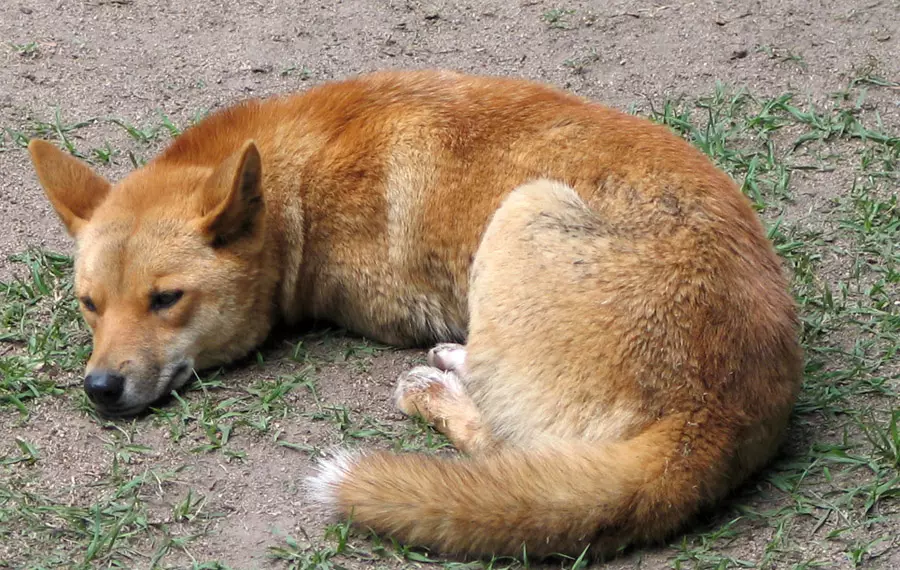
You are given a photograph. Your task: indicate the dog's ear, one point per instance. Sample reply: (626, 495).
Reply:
(72, 187)
(232, 198)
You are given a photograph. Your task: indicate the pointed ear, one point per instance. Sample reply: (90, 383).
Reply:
(232, 198)
(72, 187)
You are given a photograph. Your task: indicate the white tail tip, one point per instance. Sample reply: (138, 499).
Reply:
(322, 487)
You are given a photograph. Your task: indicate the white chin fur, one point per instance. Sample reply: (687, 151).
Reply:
(179, 373)
(331, 471)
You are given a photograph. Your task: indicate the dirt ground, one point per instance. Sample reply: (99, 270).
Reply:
(152, 63)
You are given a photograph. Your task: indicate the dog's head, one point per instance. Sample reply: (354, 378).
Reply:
(171, 270)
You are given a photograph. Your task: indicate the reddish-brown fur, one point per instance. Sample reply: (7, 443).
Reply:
(631, 343)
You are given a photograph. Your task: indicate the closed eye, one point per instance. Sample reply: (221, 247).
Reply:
(162, 300)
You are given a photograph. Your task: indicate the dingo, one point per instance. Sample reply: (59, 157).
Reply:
(632, 352)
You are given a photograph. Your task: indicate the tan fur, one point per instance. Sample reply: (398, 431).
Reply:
(618, 378)
(632, 351)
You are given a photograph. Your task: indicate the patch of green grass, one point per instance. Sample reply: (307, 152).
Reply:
(112, 531)
(581, 64)
(41, 329)
(57, 129)
(704, 550)
(415, 435)
(154, 131)
(334, 346)
(558, 18)
(305, 556)
(341, 542)
(145, 135)
(28, 453)
(65, 132)
(301, 72)
(782, 55)
(733, 133)
(104, 154)
(257, 407)
(884, 437)
(112, 522)
(30, 50)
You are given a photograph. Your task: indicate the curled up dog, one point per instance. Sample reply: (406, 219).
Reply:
(631, 350)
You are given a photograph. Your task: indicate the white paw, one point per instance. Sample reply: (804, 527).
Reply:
(424, 382)
(449, 357)
(331, 471)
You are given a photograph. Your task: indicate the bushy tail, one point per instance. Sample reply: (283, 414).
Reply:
(557, 499)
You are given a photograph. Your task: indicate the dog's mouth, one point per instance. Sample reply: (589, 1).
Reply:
(179, 376)
(121, 411)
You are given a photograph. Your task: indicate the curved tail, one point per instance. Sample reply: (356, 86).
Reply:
(557, 499)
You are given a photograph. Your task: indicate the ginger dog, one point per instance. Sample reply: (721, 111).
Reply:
(632, 352)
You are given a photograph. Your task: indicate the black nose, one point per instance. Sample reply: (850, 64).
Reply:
(104, 387)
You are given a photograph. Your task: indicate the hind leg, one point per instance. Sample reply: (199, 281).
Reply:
(436, 394)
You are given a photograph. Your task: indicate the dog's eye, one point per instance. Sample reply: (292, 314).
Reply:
(88, 304)
(164, 299)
